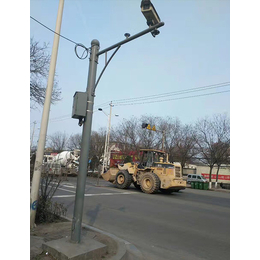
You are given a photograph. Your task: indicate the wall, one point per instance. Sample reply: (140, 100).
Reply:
(223, 174)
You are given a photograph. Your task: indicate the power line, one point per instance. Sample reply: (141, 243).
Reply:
(52, 30)
(76, 44)
(179, 92)
(66, 117)
(141, 103)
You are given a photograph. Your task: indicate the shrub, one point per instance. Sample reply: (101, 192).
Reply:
(47, 210)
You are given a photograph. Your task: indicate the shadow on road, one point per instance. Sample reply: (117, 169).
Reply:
(92, 214)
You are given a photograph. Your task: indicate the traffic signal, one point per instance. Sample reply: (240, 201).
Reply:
(148, 126)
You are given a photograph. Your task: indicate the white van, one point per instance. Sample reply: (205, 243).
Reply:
(196, 177)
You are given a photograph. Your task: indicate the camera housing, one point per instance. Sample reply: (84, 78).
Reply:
(149, 13)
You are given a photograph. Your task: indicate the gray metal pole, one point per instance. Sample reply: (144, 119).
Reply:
(45, 118)
(151, 28)
(85, 145)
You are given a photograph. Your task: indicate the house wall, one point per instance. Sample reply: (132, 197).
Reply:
(223, 175)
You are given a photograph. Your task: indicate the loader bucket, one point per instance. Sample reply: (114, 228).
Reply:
(110, 175)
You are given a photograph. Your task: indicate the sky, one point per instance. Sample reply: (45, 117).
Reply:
(191, 51)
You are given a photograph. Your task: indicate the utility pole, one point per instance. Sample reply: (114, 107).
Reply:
(34, 123)
(45, 118)
(106, 149)
(108, 134)
(85, 145)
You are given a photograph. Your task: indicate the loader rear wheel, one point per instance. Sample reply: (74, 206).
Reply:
(150, 183)
(123, 180)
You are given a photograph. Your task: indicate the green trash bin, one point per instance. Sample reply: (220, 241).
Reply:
(205, 185)
(196, 185)
(192, 185)
(201, 185)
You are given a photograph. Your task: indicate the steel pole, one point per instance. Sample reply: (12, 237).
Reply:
(45, 118)
(85, 145)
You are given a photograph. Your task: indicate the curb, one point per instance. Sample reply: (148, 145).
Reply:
(125, 251)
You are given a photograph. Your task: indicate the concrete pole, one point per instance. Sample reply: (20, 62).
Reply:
(32, 136)
(108, 134)
(105, 149)
(85, 145)
(163, 139)
(45, 118)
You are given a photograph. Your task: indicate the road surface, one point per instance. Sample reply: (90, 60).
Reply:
(191, 224)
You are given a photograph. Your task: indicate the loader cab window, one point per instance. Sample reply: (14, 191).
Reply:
(149, 158)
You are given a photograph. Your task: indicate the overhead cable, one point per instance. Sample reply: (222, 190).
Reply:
(179, 92)
(156, 101)
(76, 44)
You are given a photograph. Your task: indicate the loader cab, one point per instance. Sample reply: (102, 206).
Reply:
(150, 157)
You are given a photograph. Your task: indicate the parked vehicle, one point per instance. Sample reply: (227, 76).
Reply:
(196, 177)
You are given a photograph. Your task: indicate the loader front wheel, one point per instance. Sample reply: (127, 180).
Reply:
(150, 183)
(123, 180)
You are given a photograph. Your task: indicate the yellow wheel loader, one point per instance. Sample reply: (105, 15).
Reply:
(152, 174)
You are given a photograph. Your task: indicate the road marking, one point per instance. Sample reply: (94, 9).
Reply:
(67, 190)
(63, 196)
(91, 195)
(68, 186)
(107, 194)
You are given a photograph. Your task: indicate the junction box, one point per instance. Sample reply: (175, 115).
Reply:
(79, 105)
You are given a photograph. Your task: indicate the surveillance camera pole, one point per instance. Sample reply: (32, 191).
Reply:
(86, 132)
(85, 145)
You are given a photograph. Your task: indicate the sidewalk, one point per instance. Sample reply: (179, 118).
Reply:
(115, 248)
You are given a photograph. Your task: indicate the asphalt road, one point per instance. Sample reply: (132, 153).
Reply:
(191, 224)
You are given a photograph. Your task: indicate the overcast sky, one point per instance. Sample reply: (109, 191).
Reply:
(191, 51)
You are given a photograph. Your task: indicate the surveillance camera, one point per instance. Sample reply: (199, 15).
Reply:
(149, 13)
(155, 32)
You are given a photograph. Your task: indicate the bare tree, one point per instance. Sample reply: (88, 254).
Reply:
(74, 142)
(127, 134)
(58, 141)
(172, 128)
(211, 134)
(147, 138)
(185, 142)
(221, 125)
(97, 143)
(39, 69)
(222, 156)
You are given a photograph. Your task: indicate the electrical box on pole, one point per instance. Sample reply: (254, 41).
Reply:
(79, 105)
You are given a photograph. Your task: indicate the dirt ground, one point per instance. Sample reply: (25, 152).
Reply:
(47, 232)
